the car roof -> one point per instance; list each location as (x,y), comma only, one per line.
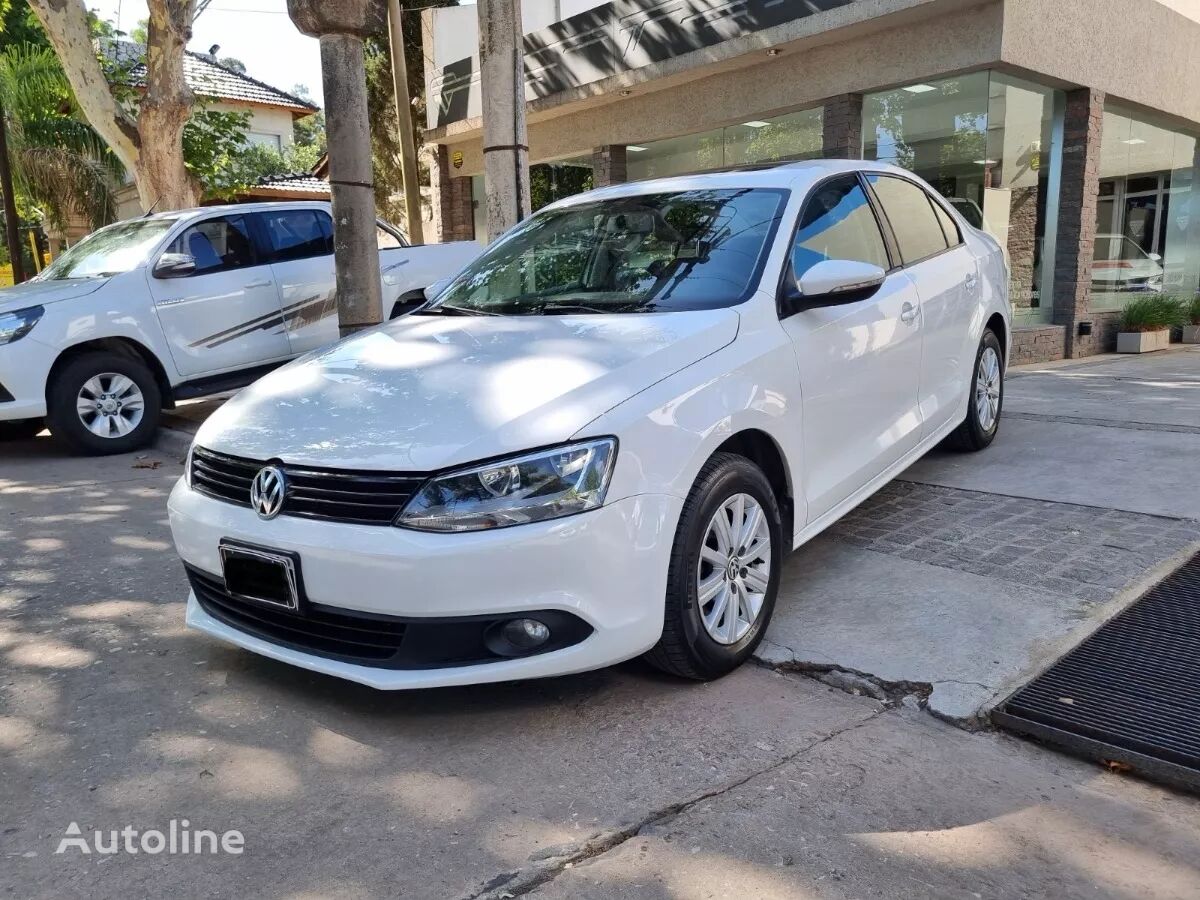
(785,176)
(266,206)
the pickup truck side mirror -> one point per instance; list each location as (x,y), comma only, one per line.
(175,265)
(831,282)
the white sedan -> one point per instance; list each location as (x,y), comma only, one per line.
(178,305)
(603,437)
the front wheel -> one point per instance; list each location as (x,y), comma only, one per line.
(986,402)
(101,403)
(724,571)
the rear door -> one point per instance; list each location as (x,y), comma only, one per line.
(947,280)
(860,362)
(225,316)
(299,242)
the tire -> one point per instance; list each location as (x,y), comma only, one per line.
(687,648)
(978,430)
(99,376)
(21,429)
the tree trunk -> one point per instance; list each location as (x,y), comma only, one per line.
(11,234)
(162,178)
(163,181)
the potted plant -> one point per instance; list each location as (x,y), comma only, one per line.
(1191,323)
(1146,323)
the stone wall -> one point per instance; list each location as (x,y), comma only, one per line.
(1037,344)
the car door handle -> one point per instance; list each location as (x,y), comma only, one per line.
(256,284)
(908,313)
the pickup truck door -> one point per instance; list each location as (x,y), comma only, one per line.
(300,244)
(225,315)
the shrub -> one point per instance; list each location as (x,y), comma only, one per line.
(1193,311)
(1152,313)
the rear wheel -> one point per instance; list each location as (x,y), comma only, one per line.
(724,571)
(986,403)
(21,429)
(101,403)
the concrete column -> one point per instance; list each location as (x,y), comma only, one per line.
(1083,127)
(341,28)
(453,206)
(505,142)
(609,165)
(841,126)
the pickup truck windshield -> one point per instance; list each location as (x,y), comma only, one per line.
(696,249)
(109,251)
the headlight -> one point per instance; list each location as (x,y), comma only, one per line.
(187,465)
(543,485)
(15,325)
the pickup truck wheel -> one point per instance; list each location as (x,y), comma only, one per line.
(21,429)
(102,403)
(724,571)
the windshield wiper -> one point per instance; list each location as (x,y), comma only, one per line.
(566,309)
(447,310)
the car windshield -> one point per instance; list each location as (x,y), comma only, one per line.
(695,249)
(109,251)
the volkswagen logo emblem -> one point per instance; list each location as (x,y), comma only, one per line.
(266,492)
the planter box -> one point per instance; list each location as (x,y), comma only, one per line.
(1143,341)
(1191,334)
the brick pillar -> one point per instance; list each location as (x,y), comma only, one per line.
(609,165)
(1080,186)
(841,123)
(453,207)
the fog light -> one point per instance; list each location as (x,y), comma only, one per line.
(517,637)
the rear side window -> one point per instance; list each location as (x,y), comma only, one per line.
(949,226)
(910,213)
(838,223)
(295,234)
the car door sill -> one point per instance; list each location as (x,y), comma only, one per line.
(814,528)
(226,381)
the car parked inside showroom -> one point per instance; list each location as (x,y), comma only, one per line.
(603,437)
(150,311)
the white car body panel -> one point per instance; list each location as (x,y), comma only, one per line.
(847,395)
(201,326)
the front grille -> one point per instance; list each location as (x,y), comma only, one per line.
(358,639)
(334,495)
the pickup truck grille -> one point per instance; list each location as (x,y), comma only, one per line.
(333,495)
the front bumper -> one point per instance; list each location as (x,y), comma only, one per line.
(24,367)
(608,567)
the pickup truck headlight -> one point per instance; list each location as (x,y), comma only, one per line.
(15,325)
(546,484)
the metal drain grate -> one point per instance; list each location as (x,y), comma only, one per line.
(1131,691)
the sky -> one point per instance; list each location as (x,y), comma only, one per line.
(258,32)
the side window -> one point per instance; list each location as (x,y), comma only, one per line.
(911,215)
(295,234)
(387,239)
(838,223)
(949,226)
(217,245)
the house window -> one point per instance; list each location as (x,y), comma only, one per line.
(259,138)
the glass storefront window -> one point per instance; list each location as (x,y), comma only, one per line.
(986,141)
(793,136)
(1147,212)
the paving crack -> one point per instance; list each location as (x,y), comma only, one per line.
(548,864)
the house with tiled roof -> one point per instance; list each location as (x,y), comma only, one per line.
(273,114)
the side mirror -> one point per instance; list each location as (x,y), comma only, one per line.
(833,282)
(175,265)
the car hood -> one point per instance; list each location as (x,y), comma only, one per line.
(39,293)
(427,392)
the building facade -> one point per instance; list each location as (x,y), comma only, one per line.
(1066,128)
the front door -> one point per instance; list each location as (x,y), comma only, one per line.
(225,316)
(860,363)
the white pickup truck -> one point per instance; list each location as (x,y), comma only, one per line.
(178,305)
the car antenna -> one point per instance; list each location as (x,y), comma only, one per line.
(153,206)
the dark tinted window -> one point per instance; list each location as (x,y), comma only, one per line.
(949,226)
(911,215)
(295,234)
(838,223)
(217,245)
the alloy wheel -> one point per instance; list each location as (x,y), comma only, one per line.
(110,405)
(734,569)
(987,389)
